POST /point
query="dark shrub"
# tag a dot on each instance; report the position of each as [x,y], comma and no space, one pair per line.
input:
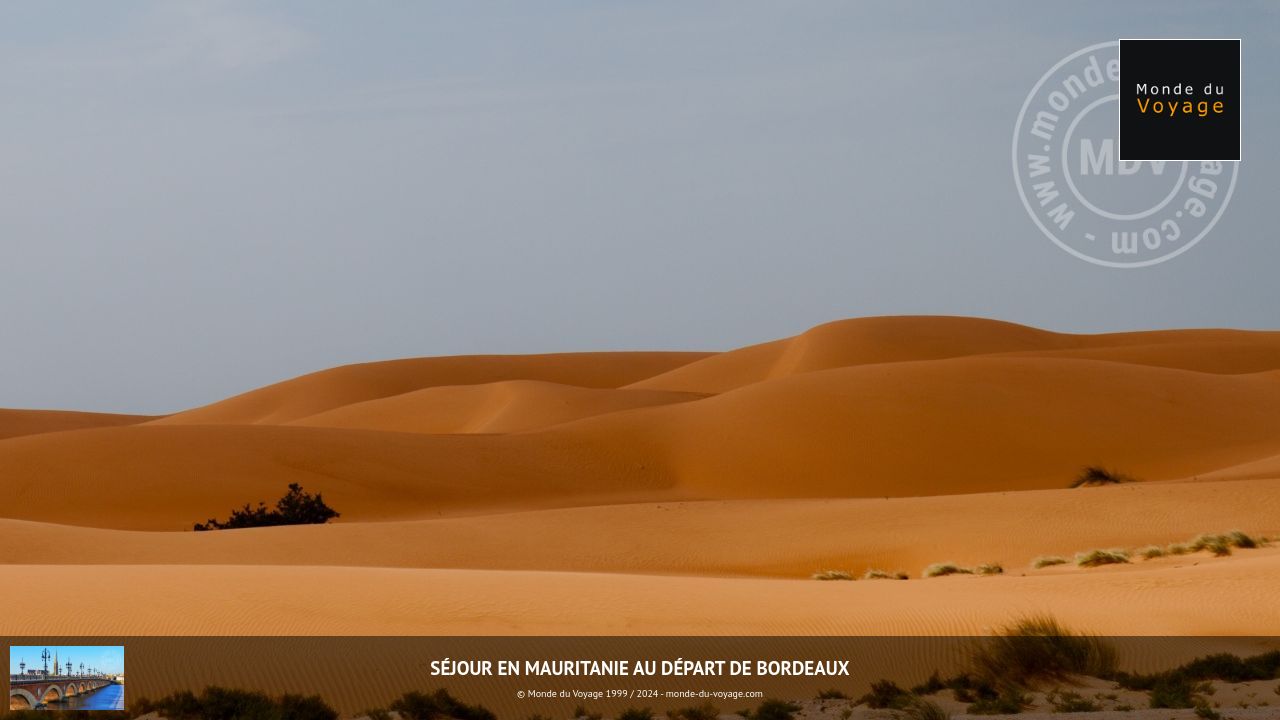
[295,508]
[438,705]
[1038,648]
[775,710]
[1096,475]
[886,694]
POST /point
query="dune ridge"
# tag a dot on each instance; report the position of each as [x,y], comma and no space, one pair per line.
[527,494]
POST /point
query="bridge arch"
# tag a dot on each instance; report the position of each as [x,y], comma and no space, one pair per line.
[53,693]
[20,699]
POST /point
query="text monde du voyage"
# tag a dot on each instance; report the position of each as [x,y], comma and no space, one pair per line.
[639,668]
[1179,99]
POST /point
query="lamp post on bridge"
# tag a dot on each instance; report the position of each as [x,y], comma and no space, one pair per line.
[45,657]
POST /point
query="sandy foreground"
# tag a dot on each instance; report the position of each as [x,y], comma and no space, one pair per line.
[674,493]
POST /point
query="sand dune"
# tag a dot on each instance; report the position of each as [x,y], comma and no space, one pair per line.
[17,423]
[229,600]
[502,407]
[648,493]
[328,389]
[945,427]
[708,539]
[865,341]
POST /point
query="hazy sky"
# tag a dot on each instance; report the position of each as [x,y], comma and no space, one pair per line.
[203,197]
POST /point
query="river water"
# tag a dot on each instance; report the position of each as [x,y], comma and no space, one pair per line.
[110,697]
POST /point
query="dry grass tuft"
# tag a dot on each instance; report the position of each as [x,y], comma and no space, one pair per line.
[1099,557]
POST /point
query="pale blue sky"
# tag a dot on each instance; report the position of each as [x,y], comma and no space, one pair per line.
[203,197]
[108,659]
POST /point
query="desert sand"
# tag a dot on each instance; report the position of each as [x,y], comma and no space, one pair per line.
[675,493]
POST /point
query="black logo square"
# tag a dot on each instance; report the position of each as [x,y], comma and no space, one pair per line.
[1180,99]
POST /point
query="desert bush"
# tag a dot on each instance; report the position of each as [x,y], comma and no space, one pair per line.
[775,710]
[1173,691]
[581,712]
[1219,545]
[934,684]
[217,703]
[1178,549]
[1151,552]
[439,704]
[876,574]
[990,569]
[1045,561]
[1009,702]
[832,694]
[1094,475]
[1207,713]
[1064,701]
[1096,558]
[295,508]
[926,710]
[886,694]
[1039,648]
[832,575]
[1242,540]
[636,714]
[946,568]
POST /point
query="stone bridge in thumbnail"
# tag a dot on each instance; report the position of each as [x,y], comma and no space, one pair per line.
[33,691]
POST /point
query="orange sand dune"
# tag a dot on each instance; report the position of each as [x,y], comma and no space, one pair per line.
[328,389]
[16,423]
[502,407]
[708,538]
[1259,353]
[942,427]
[165,477]
[652,493]
[865,341]
[962,425]
[275,600]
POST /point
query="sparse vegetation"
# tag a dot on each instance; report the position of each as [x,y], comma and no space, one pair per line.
[775,710]
[1045,561]
[1151,552]
[1219,545]
[1096,558]
[832,694]
[439,704]
[295,508]
[946,568]
[1039,648]
[1064,701]
[832,575]
[636,714]
[1207,713]
[989,569]
[926,710]
[1095,475]
[217,703]
[876,574]
[581,712]
[1009,702]
[886,694]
